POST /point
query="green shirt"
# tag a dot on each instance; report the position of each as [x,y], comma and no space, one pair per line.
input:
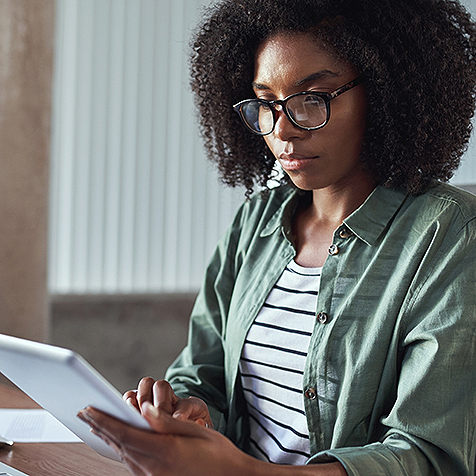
[389,383]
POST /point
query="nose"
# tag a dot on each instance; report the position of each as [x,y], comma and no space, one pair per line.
[284,129]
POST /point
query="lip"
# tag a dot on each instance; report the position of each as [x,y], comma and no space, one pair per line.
[295,161]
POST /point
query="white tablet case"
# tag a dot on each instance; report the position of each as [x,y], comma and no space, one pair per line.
[63,383]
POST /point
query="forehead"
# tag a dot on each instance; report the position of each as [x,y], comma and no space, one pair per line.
[289,57]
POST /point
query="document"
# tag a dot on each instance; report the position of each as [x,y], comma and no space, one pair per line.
[33,426]
[6,470]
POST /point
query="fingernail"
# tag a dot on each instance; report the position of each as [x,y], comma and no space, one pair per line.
[99,435]
[83,415]
[150,409]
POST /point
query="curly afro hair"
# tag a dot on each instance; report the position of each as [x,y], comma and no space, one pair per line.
[417,58]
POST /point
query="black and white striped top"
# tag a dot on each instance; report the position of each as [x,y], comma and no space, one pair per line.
[272,366]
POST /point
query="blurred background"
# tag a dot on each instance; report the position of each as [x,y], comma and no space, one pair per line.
[109,209]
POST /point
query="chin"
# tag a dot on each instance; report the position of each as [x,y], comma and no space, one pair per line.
[308,183]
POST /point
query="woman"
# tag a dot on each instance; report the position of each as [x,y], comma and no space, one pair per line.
[335,325]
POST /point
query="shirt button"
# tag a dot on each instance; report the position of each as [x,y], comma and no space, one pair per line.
[344,233]
[310,393]
[333,249]
[323,317]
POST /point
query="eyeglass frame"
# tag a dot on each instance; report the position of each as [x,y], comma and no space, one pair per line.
[327,97]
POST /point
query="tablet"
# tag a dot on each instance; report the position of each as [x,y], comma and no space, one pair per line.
[63,383]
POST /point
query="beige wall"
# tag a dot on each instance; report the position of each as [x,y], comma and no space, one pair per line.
[26,53]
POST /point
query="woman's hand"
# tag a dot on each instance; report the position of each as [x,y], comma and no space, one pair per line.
[173,447]
[160,394]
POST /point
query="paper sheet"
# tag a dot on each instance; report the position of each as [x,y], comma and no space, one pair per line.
[6,470]
[33,426]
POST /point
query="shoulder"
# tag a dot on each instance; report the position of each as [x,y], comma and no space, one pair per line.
[258,217]
[271,199]
[453,199]
[262,210]
[448,205]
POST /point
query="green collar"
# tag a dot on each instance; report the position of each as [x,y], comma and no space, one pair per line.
[367,222]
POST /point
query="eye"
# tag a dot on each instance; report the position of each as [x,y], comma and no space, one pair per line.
[311,99]
[265,98]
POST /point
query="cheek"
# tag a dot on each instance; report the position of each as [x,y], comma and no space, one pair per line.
[346,131]
[270,143]
[358,116]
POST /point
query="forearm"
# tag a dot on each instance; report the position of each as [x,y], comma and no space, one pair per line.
[327,469]
[258,468]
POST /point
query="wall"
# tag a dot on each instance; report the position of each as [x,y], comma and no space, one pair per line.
[124,337]
[26,53]
[135,207]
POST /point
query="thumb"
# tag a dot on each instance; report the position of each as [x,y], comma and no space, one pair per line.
[162,422]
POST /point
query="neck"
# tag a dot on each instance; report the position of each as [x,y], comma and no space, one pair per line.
[335,203]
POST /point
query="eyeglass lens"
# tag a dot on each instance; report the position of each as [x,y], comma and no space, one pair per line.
[306,110]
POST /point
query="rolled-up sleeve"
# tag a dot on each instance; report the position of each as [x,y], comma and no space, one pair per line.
[199,369]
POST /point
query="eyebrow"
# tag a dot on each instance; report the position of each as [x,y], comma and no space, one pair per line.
[323,74]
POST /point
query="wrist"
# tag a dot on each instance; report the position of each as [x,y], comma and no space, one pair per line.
[255,467]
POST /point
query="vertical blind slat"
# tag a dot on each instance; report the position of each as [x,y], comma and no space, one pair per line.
[129,144]
[114,140]
[159,138]
[97,155]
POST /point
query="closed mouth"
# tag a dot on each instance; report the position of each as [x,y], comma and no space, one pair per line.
[295,157]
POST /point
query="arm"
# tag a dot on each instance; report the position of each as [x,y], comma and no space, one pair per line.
[199,369]
[431,426]
[197,375]
[177,447]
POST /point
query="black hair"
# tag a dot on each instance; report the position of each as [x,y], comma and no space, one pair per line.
[417,58]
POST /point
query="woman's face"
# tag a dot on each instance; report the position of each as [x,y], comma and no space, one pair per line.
[327,157]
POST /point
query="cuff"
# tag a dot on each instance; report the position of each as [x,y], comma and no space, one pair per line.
[377,459]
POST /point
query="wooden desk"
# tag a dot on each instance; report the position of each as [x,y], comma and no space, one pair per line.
[53,459]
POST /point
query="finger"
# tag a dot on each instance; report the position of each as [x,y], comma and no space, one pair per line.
[164,396]
[133,403]
[135,467]
[114,432]
[124,436]
[144,390]
[126,457]
[106,440]
[190,407]
[193,409]
[141,464]
[103,435]
[162,422]
[201,422]
[130,394]
[184,410]
[130,398]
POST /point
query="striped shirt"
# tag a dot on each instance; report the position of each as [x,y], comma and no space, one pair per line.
[272,367]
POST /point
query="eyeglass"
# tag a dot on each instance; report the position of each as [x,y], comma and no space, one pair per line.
[308,110]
